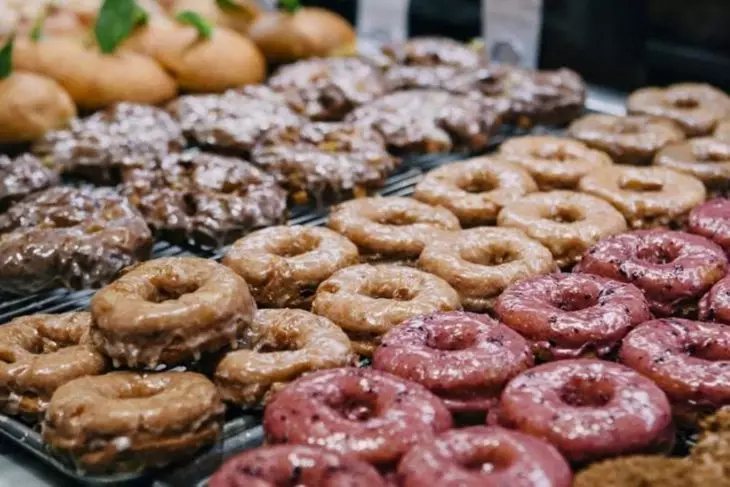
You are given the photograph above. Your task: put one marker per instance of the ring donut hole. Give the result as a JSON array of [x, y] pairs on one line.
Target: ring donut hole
[[164, 289], [574, 299], [683, 101], [397, 218], [658, 254], [296, 246], [556, 152], [563, 213], [591, 392], [489, 457], [359, 407], [478, 183], [459, 337], [491, 254], [627, 127], [642, 184], [386, 290]]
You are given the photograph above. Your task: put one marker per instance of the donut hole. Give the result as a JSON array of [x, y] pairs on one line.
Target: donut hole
[[587, 391], [684, 101], [396, 218], [492, 255], [657, 254], [575, 300], [357, 408], [627, 128], [390, 290], [562, 214], [479, 183], [452, 338], [303, 244], [556, 153], [489, 459], [170, 291], [644, 185]]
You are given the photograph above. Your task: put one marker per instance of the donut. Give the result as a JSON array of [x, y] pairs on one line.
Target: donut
[[38, 354], [673, 269], [300, 465], [125, 421], [279, 346], [565, 222], [696, 107], [433, 51], [631, 139], [169, 310], [572, 315], [357, 412], [554, 162], [480, 263], [705, 158], [284, 265], [715, 305], [484, 456], [390, 228], [466, 359], [712, 220], [646, 196], [689, 360], [367, 301], [722, 131], [589, 409], [21, 176], [475, 189], [648, 471]]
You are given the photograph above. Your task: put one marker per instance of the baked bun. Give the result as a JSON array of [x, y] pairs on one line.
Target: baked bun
[[238, 18]]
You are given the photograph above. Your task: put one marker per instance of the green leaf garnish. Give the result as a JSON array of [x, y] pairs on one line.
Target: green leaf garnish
[[115, 22], [228, 5], [290, 6], [6, 57], [204, 28]]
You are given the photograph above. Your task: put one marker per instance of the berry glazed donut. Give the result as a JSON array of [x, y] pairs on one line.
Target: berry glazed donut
[[589, 409], [474, 190], [705, 158], [565, 222], [646, 196], [168, 311], [360, 413], [712, 220], [480, 263], [465, 359], [391, 228], [572, 315], [484, 456], [284, 265], [715, 305], [303, 466], [280, 345], [367, 301], [123, 421], [554, 162], [38, 354], [673, 269], [629, 139], [697, 108]]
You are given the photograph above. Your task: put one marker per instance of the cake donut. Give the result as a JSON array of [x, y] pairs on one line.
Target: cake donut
[[696, 107], [357, 412], [712, 220], [715, 305], [572, 315], [705, 158], [566, 222], [300, 465], [41, 352], [482, 262], [367, 301], [474, 190], [466, 359], [170, 310], [554, 162], [124, 421], [284, 265], [484, 456], [279, 346], [632, 139], [589, 409], [646, 196]]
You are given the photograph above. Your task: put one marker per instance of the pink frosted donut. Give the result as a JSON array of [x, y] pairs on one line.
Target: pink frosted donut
[[715, 305], [712, 220]]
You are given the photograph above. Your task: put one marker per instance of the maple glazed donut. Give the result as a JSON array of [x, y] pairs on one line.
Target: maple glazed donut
[[484, 456], [284, 265], [481, 262], [673, 269], [170, 310], [357, 412], [279, 346], [589, 409], [712, 220], [41, 352], [705, 158], [366, 301], [466, 359], [474, 190], [572, 315], [124, 421]]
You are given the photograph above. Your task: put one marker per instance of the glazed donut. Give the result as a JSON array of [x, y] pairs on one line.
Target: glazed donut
[[715, 305], [648, 471], [572, 315], [481, 262], [303, 466], [433, 51], [565, 222], [125, 421], [367, 301], [673, 269], [484, 456], [38, 354], [474, 190], [284, 265], [712, 220], [280, 345], [628, 140], [554, 162], [23, 175], [705, 158], [689, 360], [391, 228], [722, 131], [169, 311], [697, 108], [358, 412], [465, 359], [646, 196], [589, 409]]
